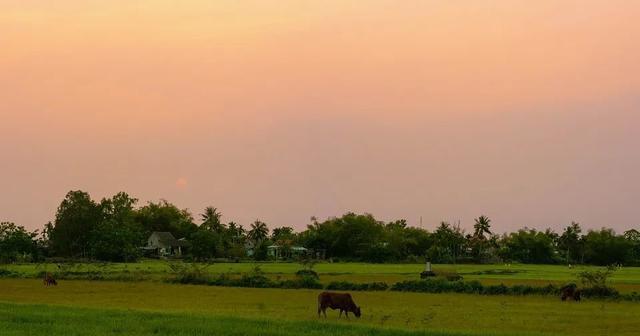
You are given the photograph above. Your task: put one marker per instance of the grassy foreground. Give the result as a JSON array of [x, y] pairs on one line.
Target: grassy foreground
[[18, 320], [467, 314]]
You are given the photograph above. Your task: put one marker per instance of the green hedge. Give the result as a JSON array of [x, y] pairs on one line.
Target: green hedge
[[471, 287], [345, 285], [248, 280]]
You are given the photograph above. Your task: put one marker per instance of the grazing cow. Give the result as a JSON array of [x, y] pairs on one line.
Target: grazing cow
[[49, 280], [344, 302], [571, 293]]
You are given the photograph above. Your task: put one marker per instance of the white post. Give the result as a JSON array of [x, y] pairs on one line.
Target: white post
[[427, 267]]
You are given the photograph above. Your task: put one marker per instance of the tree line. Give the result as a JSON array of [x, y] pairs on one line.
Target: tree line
[[115, 229]]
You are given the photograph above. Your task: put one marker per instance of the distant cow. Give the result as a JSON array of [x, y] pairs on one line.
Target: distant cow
[[344, 302], [570, 293], [49, 280]]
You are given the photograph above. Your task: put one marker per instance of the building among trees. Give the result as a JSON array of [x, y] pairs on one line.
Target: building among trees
[[164, 244]]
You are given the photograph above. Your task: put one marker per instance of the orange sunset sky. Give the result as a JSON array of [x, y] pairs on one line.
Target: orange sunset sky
[[526, 111]]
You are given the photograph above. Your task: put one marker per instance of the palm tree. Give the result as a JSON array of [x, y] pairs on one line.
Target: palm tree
[[478, 241], [570, 240], [235, 231], [211, 220], [482, 226], [258, 232]]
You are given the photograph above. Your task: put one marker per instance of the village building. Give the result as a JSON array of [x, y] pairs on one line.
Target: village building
[[286, 252], [164, 244]]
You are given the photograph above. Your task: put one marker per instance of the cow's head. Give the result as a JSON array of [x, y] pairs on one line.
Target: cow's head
[[357, 312]]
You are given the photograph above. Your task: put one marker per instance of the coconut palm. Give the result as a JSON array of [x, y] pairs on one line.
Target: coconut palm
[[211, 220], [258, 232], [235, 231], [482, 226]]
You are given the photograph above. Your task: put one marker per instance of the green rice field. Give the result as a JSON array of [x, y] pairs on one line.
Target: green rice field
[[137, 308], [626, 279]]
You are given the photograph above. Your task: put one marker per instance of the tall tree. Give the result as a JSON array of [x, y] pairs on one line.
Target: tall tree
[[205, 244], [481, 227], [211, 220], [633, 237], [118, 236], [478, 241], [76, 218], [605, 247], [282, 233], [570, 242], [16, 242], [164, 216], [258, 232], [236, 232], [448, 242], [529, 246]]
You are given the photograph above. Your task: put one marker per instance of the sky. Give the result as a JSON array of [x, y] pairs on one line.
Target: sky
[[525, 111]]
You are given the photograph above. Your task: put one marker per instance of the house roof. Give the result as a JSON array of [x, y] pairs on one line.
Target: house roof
[[168, 239]]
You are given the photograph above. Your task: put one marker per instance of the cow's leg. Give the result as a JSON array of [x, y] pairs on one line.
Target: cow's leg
[[324, 312], [339, 316], [346, 313]]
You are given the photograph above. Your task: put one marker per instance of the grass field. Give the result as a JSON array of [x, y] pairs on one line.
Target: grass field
[[625, 280], [50, 320], [133, 306]]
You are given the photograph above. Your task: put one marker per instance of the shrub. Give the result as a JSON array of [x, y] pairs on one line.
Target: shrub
[[189, 273], [600, 292], [307, 273], [5, 273], [303, 282], [596, 283], [255, 281], [597, 278], [500, 289], [345, 285], [531, 290], [378, 286], [440, 285]]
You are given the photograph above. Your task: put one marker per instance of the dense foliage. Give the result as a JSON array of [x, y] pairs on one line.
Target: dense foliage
[[16, 244], [115, 229]]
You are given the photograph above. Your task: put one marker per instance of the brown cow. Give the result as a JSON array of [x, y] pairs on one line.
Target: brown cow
[[570, 292], [49, 280], [341, 301]]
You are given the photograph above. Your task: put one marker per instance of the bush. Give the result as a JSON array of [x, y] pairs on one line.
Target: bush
[[500, 289], [440, 285], [189, 273], [596, 283], [600, 292], [597, 278], [255, 281], [307, 273], [303, 282], [634, 296], [5, 273], [345, 285], [530, 290]]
